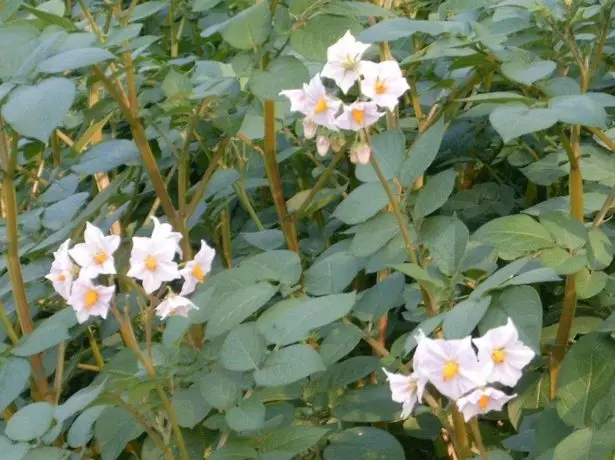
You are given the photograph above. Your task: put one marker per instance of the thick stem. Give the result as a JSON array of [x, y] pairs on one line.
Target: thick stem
[[225, 230], [273, 176], [478, 439], [461, 434]]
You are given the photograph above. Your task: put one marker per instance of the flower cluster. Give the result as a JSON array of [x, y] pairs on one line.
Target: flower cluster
[[74, 271], [381, 85], [455, 369]]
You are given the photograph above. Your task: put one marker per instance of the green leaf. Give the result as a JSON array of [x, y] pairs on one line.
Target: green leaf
[[389, 150], [578, 109], [527, 73], [374, 234], [288, 365], [566, 231], [362, 203], [514, 121], [521, 304], [117, 36], [355, 9], [514, 236], [591, 442], [176, 84], [190, 406], [106, 156], [35, 111], [175, 329], [369, 404], [14, 376], [265, 240], [238, 306], [248, 29], [16, 41], [393, 29], [291, 439], [312, 39], [292, 320], [380, 298], [548, 169], [30, 422], [115, 428], [422, 153], [243, 348], [364, 443], [342, 339], [281, 265], [463, 318], [600, 249], [417, 273], [47, 453], [220, 390], [332, 274], [435, 193], [42, 338], [590, 283], [147, 9], [8, 9], [248, 416], [82, 429], [349, 371], [446, 238], [497, 96], [585, 378], [78, 401], [74, 59], [284, 72], [234, 452]]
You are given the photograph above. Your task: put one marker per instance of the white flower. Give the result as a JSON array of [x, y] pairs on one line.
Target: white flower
[[481, 401], [309, 128], [322, 145], [61, 272], [358, 115], [320, 107], [151, 261], [360, 153], [406, 389], [194, 272], [343, 61], [297, 99], [95, 256], [88, 299], [450, 365], [503, 355], [165, 232], [383, 83], [174, 305]]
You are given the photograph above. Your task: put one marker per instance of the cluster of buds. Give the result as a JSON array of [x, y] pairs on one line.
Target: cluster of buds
[[74, 271], [381, 85], [455, 369]]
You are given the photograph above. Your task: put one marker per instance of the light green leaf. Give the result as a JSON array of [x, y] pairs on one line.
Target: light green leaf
[[35, 111], [521, 304], [291, 439], [362, 203], [497, 96], [42, 338], [332, 274], [291, 320], [417, 273], [82, 429], [190, 406], [364, 443], [356, 9], [249, 28], [312, 39], [578, 109], [14, 376], [117, 36], [527, 73], [284, 72], [47, 453], [463, 318], [514, 121], [115, 428], [16, 41], [435, 193], [176, 84], [78, 401], [243, 348], [281, 265], [238, 306], [422, 153], [514, 236], [393, 29], [599, 250], [374, 234], [106, 156], [588, 443], [74, 59], [389, 150], [234, 452], [248, 416], [220, 390], [340, 341], [147, 9], [446, 238], [9, 8], [265, 240], [548, 169], [567, 232], [590, 283], [30, 422], [288, 365]]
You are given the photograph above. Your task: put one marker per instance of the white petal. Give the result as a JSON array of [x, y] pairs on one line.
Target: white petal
[[81, 254]]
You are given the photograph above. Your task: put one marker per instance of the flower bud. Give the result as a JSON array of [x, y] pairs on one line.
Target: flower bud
[[309, 128], [337, 142], [359, 153], [322, 145]]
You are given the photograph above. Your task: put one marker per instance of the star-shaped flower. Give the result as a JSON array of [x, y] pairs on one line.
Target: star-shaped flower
[[174, 305], [481, 401], [383, 83], [195, 271], [344, 61], [151, 261], [358, 115], [62, 269], [95, 256], [88, 299]]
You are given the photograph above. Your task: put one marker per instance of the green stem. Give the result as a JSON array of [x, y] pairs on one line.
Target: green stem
[[478, 439]]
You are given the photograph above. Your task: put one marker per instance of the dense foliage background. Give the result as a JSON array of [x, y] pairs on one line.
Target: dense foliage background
[[488, 198]]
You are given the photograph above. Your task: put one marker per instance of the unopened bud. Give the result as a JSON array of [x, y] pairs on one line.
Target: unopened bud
[[359, 153], [309, 128], [337, 142], [322, 145]]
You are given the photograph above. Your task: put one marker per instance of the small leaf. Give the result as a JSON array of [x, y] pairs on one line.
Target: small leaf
[[106, 156], [462, 319], [45, 336], [82, 429], [190, 406], [243, 348], [74, 59], [288, 365], [249, 28], [284, 72], [422, 153], [513, 121], [600, 249], [234, 452], [435, 193], [77, 402], [248, 416], [527, 72], [364, 443], [388, 148], [281, 265], [340, 342], [578, 109], [219, 390], [567, 232], [312, 39], [114, 429], [291, 439], [447, 239], [332, 274], [30, 422], [393, 29], [14, 376], [374, 234], [417, 273], [362, 203]]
